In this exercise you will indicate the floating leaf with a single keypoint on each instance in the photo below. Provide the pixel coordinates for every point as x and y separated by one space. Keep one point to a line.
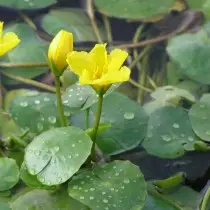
70 19
191 53
200 117
55 155
82 96
27 4
36 111
134 9
116 185
9 175
44 200
202 5
30 50
169 133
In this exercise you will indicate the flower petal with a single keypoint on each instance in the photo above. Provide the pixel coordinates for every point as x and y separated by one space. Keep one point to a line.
8 42
99 54
1 28
79 61
85 78
113 77
116 59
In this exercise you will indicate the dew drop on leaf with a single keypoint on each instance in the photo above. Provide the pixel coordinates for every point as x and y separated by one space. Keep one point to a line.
129 115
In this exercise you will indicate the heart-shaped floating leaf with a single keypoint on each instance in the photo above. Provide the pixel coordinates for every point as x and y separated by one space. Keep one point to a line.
116 185
45 200
9 175
82 96
191 53
203 6
169 133
55 155
70 19
36 112
27 4
30 50
134 9
200 117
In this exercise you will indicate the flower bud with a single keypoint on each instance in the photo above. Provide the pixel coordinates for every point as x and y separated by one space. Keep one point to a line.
60 46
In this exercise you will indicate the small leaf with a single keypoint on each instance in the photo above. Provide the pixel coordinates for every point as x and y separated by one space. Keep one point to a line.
45 200
57 154
116 185
200 117
169 133
9 175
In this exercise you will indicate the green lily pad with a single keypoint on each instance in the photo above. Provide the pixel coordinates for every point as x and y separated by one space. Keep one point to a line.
134 9
36 111
116 185
200 117
55 155
44 200
70 19
4 206
169 133
203 5
82 96
128 124
30 50
191 53
9 175
27 4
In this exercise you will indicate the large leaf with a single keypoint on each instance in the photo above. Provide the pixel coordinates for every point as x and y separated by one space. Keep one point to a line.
36 111
55 155
30 50
200 117
191 53
134 9
9 175
27 4
116 185
70 19
169 133
44 200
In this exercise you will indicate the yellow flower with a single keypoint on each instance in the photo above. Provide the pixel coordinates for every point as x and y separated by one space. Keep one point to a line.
98 68
60 46
7 41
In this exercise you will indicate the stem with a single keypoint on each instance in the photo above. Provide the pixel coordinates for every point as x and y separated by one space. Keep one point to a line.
30 82
133 82
59 102
96 124
205 201
108 28
87 113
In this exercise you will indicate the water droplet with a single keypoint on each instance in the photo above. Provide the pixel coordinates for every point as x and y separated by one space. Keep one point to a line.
73 145
126 181
149 135
82 198
42 118
182 135
37 101
204 118
37 152
32 171
166 138
117 174
112 189
92 189
129 115
91 198
77 94
67 114
122 187
176 125
80 98
56 149
82 182
24 103
65 101
71 90
190 138
105 201
202 106
41 179
59 179
76 155
103 193
114 205
75 187
46 99
52 119
49 183
40 127
69 156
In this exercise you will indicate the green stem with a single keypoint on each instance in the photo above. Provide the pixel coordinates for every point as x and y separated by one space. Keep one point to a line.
29 82
205 201
87 113
96 124
59 102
